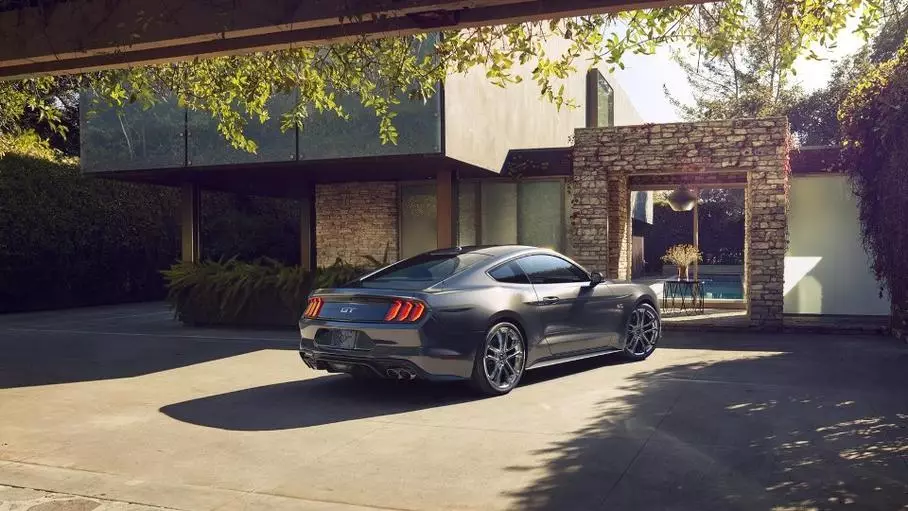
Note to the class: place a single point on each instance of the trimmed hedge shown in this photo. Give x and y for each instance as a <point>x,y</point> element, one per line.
<point>67,240</point>
<point>264,292</point>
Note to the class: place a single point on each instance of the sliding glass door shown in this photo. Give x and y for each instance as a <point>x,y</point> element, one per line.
<point>500,212</point>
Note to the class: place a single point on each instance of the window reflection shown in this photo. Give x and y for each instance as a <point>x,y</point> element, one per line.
<point>505,212</point>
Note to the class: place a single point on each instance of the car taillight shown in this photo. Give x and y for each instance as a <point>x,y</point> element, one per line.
<point>313,308</point>
<point>405,311</point>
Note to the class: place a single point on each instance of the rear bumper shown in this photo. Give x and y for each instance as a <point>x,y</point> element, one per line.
<point>420,367</point>
<point>417,349</point>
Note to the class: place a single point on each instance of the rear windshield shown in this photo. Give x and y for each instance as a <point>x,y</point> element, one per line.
<point>421,271</point>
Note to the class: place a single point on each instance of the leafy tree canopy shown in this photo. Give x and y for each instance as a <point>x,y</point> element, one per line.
<point>813,117</point>
<point>750,77</point>
<point>235,89</point>
<point>753,78</point>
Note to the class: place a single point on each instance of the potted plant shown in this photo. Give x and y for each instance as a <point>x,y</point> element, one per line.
<point>683,256</point>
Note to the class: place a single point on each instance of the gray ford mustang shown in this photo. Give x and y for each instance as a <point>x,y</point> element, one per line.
<point>484,314</point>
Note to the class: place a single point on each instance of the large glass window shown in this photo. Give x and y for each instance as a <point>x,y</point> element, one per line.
<point>499,213</point>
<point>502,213</point>
<point>539,206</point>
<point>467,213</point>
<point>600,101</point>
<point>546,269</point>
<point>418,226</point>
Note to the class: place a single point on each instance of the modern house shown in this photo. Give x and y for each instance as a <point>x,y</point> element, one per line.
<point>480,164</point>
<point>465,170</point>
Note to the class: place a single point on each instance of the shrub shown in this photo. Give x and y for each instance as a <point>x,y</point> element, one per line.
<point>264,292</point>
<point>67,240</point>
<point>874,122</point>
<point>71,240</point>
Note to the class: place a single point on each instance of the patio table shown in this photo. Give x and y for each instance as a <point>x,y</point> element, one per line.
<point>684,295</point>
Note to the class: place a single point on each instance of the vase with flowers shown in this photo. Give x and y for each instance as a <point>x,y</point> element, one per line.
<point>683,256</point>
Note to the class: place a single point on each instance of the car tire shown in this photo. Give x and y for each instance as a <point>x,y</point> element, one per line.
<point>642,332</point>
<point>497,372</point>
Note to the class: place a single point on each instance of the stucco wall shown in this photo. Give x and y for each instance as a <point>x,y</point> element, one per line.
<point>484,121</point>
<point>355,219</point>
<point>827,270</point>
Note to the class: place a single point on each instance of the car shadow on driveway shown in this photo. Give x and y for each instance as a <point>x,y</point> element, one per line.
<point>338,398</point>
<point>313,402</point>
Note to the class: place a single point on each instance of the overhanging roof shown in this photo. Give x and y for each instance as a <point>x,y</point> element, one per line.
<point>544,162</point>
<point>70,36</point>
<point>294,179</point>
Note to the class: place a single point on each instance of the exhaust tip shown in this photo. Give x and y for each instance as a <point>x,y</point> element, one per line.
<point>400,373</point>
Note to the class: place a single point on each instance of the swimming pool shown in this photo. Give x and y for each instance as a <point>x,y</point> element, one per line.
<point>716,287</point>
<point>725,287</point>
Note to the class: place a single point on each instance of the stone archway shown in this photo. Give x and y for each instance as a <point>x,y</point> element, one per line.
<point>608,162</point>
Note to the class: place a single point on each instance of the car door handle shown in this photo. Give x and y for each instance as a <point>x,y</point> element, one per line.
<point>548,300</point>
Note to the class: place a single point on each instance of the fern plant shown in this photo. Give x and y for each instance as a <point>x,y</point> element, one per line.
<point>385,260</point>
<point>263,292</point>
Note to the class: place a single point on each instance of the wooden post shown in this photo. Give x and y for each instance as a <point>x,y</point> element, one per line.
<point>697,230</point>
<point>444,208</point>
<point>190,228</point>
<point>307,215</point>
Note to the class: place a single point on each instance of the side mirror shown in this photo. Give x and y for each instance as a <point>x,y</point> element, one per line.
<point>596,278</point>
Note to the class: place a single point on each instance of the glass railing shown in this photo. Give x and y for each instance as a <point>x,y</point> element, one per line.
<point>167,136</point>
<point>132,137</point>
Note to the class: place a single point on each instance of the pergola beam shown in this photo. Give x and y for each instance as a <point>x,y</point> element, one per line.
<point>60,37</point>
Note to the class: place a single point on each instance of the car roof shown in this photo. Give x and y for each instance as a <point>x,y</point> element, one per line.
<point>489,250</point>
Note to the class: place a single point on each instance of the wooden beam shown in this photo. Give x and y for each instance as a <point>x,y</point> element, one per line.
<point>81,36</point>
<point>190,219</point>
<point>307,232</point>
<point>444,208</point>
<point>696,230</point>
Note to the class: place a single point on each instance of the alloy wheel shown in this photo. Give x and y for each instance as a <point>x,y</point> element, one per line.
<point>642,331</point>
<point>504,357</point>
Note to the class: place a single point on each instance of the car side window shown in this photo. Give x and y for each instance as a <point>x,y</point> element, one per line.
<point>510,273</point>
<point>546,269</point>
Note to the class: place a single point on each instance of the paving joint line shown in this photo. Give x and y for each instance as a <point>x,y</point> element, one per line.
<point>640,450</point>
<point>103,499</point>
<point>216,488</point>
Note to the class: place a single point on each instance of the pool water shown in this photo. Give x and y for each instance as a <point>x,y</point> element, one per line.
<point>726,287</point>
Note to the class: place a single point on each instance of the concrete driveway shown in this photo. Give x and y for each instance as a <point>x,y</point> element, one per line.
<point>119,406</point>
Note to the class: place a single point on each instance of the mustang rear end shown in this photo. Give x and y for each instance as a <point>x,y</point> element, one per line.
<point>379,333</point>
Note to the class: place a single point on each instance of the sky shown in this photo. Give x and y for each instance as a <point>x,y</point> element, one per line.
<point>644,76</point>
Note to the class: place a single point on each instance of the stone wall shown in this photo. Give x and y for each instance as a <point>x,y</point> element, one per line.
<point>604,159</point>
<point>355,219</point>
